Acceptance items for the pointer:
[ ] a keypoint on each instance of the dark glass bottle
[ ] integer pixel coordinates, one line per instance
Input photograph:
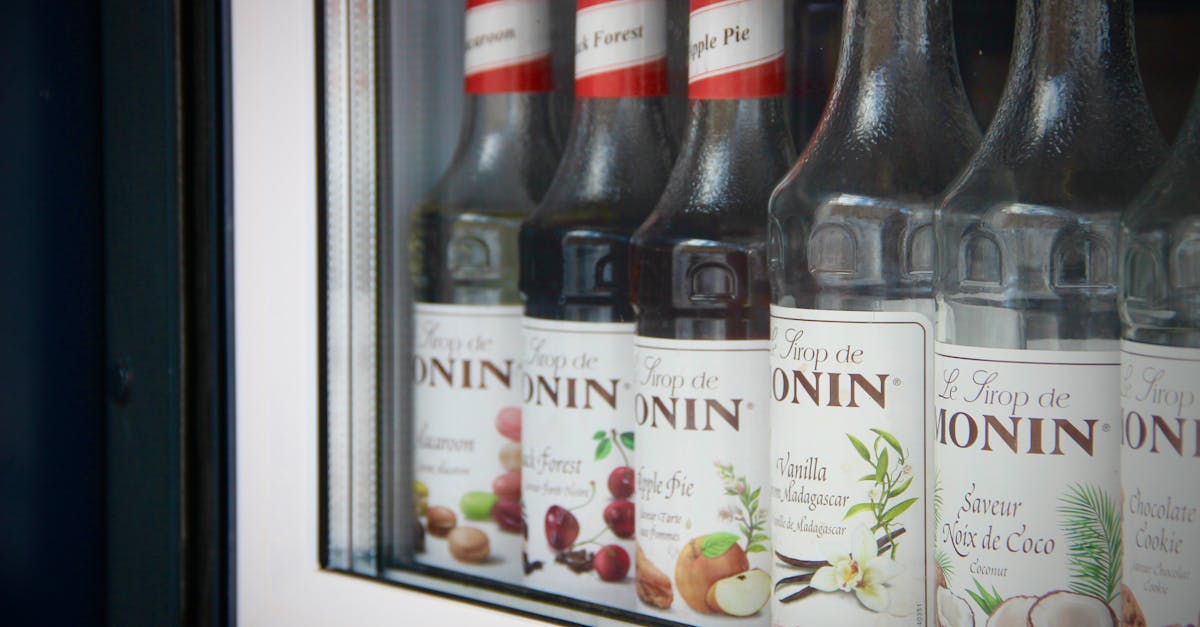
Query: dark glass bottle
(1027, 325)
(577, 328)
(700, 259)
(700, 288)
(467, 313)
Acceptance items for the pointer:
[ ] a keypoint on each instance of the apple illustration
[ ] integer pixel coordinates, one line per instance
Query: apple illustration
(703, 561)
(618, 515)
(743, 594)
(562, 528)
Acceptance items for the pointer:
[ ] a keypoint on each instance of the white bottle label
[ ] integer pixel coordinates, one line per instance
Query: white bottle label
(1027, 501)
(702, 430)
(1160, 464)
(466, 434)
(850, 423)
(578, 483)
(507, 46)
(736, 49)
(621, 48)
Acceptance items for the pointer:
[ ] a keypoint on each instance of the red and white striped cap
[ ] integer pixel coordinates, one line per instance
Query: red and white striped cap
(507, 46)
(620, 48)
(736, 49)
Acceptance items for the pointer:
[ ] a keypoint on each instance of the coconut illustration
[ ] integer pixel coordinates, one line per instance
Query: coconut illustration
(1070, 608)
(1014, 612)
(743, 594)
(1131, 610)
(953, 610)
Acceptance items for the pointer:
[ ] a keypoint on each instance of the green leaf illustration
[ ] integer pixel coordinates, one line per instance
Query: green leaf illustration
(1091, 522)
(987, 601)
(715, 544)
(890, 439)
(898, 490)
(858, 509)
(860, 447)
(881, 468)
(756, 548)
(759, 538)
(892, 513)
(603, 449)
(599, 435)
(627, 440)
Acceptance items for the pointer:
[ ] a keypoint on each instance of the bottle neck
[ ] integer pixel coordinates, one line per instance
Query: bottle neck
(499, 130)
(618, 153)
(898, 123)
(734, 152)
(1093, 37)
(916, 35)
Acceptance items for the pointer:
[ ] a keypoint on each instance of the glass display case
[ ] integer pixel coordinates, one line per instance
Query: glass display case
(346, 113)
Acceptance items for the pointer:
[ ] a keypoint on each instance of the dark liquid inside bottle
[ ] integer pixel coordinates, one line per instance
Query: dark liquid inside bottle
(701, 264)
(575, 249)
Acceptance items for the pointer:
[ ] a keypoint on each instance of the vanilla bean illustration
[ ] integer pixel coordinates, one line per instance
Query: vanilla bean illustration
(885, 544)
(799, 563)
(796, 596)
(805, 578)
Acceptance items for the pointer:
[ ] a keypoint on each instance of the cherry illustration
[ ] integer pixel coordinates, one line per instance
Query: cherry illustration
(611, 563)
(562, 528)
(621, 482)
(619, 517)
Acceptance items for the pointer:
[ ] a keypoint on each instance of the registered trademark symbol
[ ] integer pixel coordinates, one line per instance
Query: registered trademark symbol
(1106, 428)
(749, 405)
(626, 386)
(895, 380)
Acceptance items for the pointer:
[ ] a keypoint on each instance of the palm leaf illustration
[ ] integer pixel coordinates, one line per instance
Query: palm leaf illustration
(1091, 522)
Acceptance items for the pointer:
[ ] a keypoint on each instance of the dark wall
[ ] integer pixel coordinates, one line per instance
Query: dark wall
(52, 422)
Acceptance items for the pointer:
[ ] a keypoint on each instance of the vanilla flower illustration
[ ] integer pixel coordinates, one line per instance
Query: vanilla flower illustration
(862, 571)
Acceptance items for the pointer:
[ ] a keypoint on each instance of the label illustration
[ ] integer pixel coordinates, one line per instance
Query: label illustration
(703, 552)
(850, 419)
(507, 47)
(735, 49)
(1160, 462)
(620, 48)
(577, 476)
(1026, 487)
(466, 438)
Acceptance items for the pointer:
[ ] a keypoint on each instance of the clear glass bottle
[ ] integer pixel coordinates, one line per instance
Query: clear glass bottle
(700, 289)
(1160, 384)
(467, 313)
(851, 267)
(577, 328)
(1027, 433)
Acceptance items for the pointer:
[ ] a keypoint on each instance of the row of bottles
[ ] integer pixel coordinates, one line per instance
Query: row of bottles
(880, 384)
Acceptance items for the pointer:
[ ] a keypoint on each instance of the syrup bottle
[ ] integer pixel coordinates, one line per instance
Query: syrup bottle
(577, 328)
(1026, 371)
(467, 314)
(851, 261)
(1160, 384)
(700, 288)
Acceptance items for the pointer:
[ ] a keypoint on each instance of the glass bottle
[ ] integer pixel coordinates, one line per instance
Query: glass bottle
(466, 318)
(700, 289)
(1026, 368)
(851, 267)
(577, 328)
(1160, 383)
